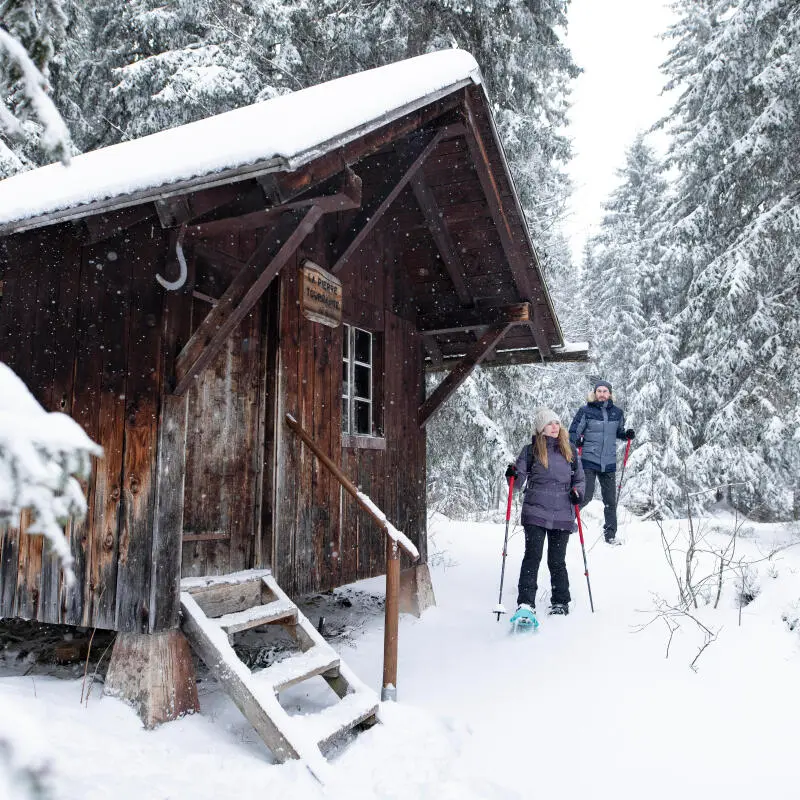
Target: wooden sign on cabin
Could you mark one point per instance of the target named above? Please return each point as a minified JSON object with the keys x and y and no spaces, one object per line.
{"x":320,"y":295}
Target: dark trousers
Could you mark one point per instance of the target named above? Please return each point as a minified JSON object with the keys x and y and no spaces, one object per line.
{"x":608,"y":490}
{"x":556,"y":563}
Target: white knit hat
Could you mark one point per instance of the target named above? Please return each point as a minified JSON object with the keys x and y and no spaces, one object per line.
{"x":543,"y":416}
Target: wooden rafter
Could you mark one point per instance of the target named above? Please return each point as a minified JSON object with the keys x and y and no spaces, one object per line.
{"x":468,"y":319}
{"x":347,"y":196}
{"x":461,"y":371}
{"x":411,"y":160}
{"x":239,"y":298}
{"x":480,"y":158}
{"x":506,"y":358}
{"x":536,"y":326}
{"x":100,"y":227}
{"x":441,"y":236}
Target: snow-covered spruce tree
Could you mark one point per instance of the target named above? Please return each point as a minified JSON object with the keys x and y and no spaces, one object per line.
{"x":733,"y":228}
{"x":31,"y":129}
{"x":658,"y":405}
{"x":40,"y":455}
{"x":169,"y":64}
{"x":619,"y":276}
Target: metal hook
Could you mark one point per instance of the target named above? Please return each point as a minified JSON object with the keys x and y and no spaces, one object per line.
{"x":173,"y":286}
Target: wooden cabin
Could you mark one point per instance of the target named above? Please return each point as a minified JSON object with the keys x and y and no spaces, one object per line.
{"x":181,"y":294}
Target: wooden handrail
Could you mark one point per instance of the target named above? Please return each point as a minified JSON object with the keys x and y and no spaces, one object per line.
{"x":395,"y":540}
{"x":367,"y":505}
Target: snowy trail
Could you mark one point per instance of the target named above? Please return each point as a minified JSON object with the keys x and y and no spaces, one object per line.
{"x":584,"y":708}
{"x":593,"y":706}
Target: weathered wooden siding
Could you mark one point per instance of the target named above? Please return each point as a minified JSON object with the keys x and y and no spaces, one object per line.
{"x":83,"y":327}
{"x":225,"y":439}
{"x":322,"y":540}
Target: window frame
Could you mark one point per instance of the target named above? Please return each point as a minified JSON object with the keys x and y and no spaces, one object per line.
{"x":374,"y":439}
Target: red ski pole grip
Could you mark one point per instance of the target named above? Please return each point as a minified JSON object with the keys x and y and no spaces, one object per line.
{"x":510,"y":495}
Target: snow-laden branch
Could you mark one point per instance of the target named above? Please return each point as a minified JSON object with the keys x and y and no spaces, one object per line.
{"x":40,"y":455}
{"x":55,"y":136}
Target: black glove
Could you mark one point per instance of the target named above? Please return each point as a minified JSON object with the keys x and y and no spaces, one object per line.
{"x":629,"y":434}
{"x":579,"y":441}
{"x":511,"y":472}
{"x":574,"y":496}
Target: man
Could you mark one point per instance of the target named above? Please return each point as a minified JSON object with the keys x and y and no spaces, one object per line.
{"x":595,"y":431}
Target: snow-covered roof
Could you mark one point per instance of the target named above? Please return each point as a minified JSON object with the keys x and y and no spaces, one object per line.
{"x":280,"y":134}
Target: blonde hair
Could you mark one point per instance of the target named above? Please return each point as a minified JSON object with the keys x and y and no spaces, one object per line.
{"x":540,"y":446}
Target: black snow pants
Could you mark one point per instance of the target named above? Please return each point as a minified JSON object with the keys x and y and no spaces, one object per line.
{"x":608,"y":490}
{"x":556,"y":563}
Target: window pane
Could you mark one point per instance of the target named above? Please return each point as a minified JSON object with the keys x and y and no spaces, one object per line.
{"x":363,"y":346}
{"x":345,"y":380}
{"x":346,"y":342}
{"x":362,"y":417}
{"x":362,"y":380}
{"x":345,"y":416}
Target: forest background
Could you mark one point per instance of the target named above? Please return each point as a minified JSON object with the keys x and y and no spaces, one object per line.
{"x":688,"y":293}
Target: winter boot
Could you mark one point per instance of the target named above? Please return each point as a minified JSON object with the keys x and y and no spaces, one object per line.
{"x":560,"y":609}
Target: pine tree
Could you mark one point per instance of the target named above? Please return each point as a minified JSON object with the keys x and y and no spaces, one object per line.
{"x":733,"y":226}
{"x":659,"y":404}
{"x":31,"y":129}
{"x":621,"y":283}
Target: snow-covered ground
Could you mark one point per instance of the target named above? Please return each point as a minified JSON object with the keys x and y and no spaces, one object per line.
{"x":587,"y":707}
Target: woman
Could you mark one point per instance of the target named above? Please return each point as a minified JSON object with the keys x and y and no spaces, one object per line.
{"x":554,"y":483}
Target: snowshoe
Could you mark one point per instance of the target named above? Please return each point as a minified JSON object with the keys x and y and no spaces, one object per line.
{"x":613,"y":541}
{"x":559,"y":609}
{"x":524,"y":619}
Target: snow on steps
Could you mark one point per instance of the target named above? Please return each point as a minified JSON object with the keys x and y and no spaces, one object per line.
{"x":258,"y":615}
{"x":237,"y":602}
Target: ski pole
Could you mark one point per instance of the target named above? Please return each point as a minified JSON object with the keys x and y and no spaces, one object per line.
{"x":583,"y":550}
{"x":499,"y":608}
{"x":622,"y":475}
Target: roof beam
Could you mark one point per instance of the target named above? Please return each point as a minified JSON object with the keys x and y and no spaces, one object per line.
{"x":461,"y":371}
{"x":441,"y":235}
{"x":507,"y":358}
{"x":480,"y":158}
{"x":467,"y":319}
{"x":100,"y":227}
{"x":237,"y":301}
{"x":347,"y":196}
{"x":410,"y":161}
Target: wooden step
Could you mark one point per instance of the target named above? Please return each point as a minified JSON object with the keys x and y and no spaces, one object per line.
{"x":299,"y":667}
{"x":277,"y":611}
{"x":213,"y":607}
{"x":332,"y":722}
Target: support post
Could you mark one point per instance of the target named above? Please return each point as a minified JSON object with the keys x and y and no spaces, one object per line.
{"x":416,"y":590}
{"x":391,"y":622}
{"x":155,"y":674}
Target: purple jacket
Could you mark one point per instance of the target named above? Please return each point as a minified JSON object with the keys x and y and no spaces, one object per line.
{"x":547,"y":502}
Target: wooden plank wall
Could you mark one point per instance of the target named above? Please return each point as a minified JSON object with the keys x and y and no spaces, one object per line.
{"x":322,"y":540}
{"x":83,"y":327}
{"x":224,"y":447}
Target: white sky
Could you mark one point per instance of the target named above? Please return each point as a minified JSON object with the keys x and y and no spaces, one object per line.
{"x":619,"y":94}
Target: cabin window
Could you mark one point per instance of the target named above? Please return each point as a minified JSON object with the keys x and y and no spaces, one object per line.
{"x":357,"y":382}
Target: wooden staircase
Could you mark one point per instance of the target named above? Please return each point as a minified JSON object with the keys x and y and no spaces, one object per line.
{"x":215,"y":607}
